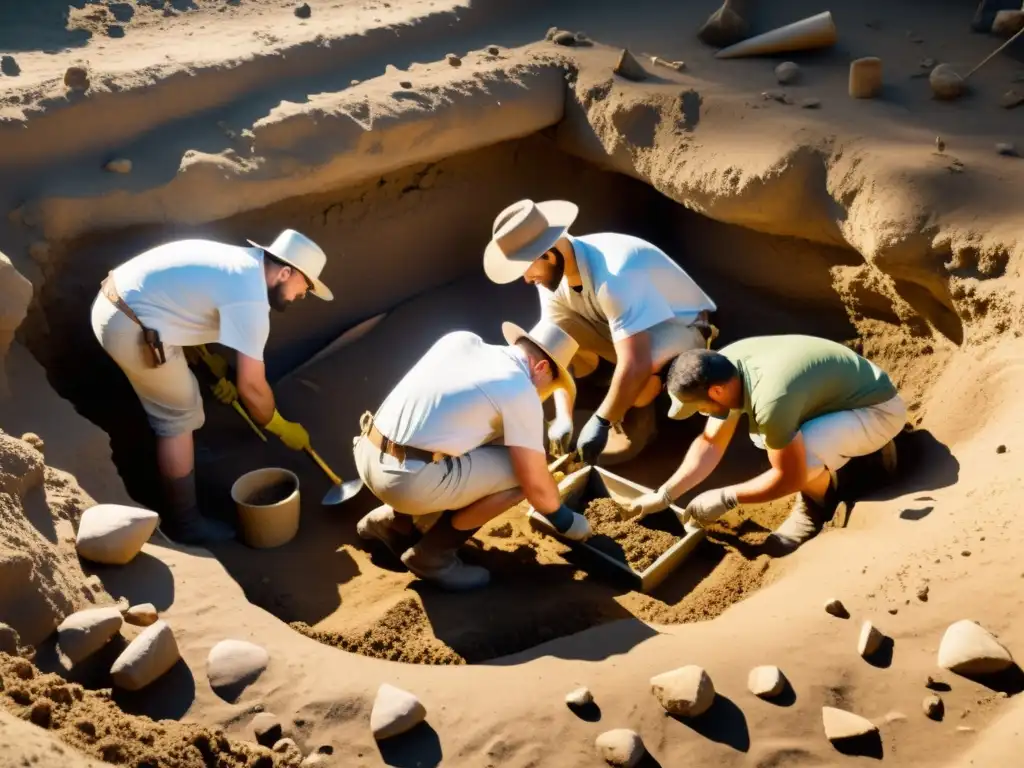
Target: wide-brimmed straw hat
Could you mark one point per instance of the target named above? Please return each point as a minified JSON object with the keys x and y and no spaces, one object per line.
{"x":559,"y":346}
{"x":522,"y":233}
{"x":298,"y":251}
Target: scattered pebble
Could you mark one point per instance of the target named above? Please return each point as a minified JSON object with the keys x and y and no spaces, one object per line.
{"x":83,"y":633}
{"x":1011,"y":99}
{"x":870,"y":639}
{"x":766,"y":681}
{"x":933,"y":707}
{"x":119,"y":165}
{"x":628,"y":67}
{"x":405,"y":83}
{"x":935,"y":684}
{"x":969,"y":649}
{"x":550,"y":35}
{"x":235,"y":662}
{"x":493,"y":50}
{"x":922,"y":593}
{"x":999,"y":448}
{"x":945,"y":82}
{"x":787,"y":72}
{"x":621,"y":747}
{"x":966,"y":553}
{"x":453,"y":60}
{"x":940,"y":145}
{"x":687,"y":691}
{"x":41,"y":713}
{"x":394,"y":712}
{"x":810,"y":103}
{"x":865,"y":81}
{"x":581,"y":697}
{"x":894,"y":611}
{"x":778,"y":96}
{"x":9,"y":66}
{"x":113,"y":534}
{"x":266,"y":727}
{"x":1005,"y":148}
{"x":303,"y":11}
{"x":564,"y":38}
{"x":147,"y":658}
{"x":837,"y":609}
{"x":77,"y":78}
{"x":34,"y":440}
{"x":353,"y":82}
{"x":841,"y":725}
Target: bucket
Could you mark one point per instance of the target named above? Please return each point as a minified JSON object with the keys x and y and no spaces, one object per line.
{"x":274,"y":519}
{"x":813,"y":32}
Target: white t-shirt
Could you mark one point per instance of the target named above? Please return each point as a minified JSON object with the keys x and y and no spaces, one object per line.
{"x":628,"y":285}
{"x":462,"y":394}
{"x":199,"y":292}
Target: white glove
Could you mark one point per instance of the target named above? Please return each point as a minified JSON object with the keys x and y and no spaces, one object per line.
{"x":559,"y":435}
{"x":710,"y":505}
{"x":648,"y":504}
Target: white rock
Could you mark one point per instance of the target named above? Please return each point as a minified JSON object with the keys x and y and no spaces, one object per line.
{"x":932,"y":706}
{"x":766,"y":681}
{"x":787,"y":72}
{"x":394,"y":712}
{"x":147,"y":657}
{"x":82,"y":634}
{"x":687,"y":691}
{"x":621,"y":747}
{"x":840,"y":724}
{"x":113,"y":534}
{"x":235,"y":662}
{"x":581,"y":697}
{"x":119,"y":165}
{"x":142,"y":615}
{"x":968,"y":649}
{"x":837,"y":609}
{"x":870,"y":639}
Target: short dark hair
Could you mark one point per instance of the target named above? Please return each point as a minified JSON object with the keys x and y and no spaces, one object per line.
{"x":697,"y":370}
{"x":534,"y":350}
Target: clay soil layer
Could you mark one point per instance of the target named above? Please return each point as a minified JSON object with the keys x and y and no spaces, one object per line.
{"x":629,"y":541}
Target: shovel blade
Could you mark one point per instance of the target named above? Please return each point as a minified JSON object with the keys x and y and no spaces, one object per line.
{"x":342,"y":493}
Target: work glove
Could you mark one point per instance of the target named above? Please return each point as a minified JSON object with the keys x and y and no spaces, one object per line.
{"x":648,"y":504}
{"x":709,"y":506}
{"x":225,"y":391}
{"x":593,"y":438}
{"x":216,"y":363}
{"x":292,"y":434}
{"x":559,"y":435}
{"x":571,"y":525}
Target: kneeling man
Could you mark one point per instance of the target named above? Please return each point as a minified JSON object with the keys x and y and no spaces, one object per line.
{"x":811,"y":403}
{"x":463,"y":434}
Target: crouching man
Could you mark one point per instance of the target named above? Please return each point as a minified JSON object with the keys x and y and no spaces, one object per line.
{"x":811,"y":403}
{"x":462,"y":434}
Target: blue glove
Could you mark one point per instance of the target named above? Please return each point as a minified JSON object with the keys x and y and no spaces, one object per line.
{"x":593,"y":438}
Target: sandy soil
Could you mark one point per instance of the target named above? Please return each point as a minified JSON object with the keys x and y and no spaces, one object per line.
{"x":847,"y":220}
{"x":637,"y":544}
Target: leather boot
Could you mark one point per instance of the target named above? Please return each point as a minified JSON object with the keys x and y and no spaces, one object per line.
{"x":182,"y":522}
{"x":435,"y":558}
{"x":805,"y":521}
{"x":639,"y":428}
{"x":392,"y":529}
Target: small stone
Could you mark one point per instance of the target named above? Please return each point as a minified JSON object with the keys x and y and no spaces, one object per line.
{"x":870,"y":639}
{"x":266,"y":727}
{"x":303,"y":11}
{"x":354,"y":82}
{"x":837,"y":609}
{"x":933,"y":707}
{"x":922,"y":593}
{"x":493,"y":50}
{"x":581,"y":697}
{"x":119,"y":165}
{"x":966,"y":553}
{"x":147,"y":658}
{"x":394,"y":712}
{"x":766,"y":681}
{"x":787,"y":72}
{"x":405,"y":84}
{"x":550,"y":34}
{"x":927,"y":63}
{"x":945,"y":82}
{"x":894,"y":611}
{"x":621,"y":747}
{"x":778,"y":96}
{"x":142,"y":615}
{"x":9,"y":66}
{"x":810,"y":103}
{"x":77,"y":78}
{"x":453,"y":60}
{"x":999,"y":448}
{"x":935,"y":685}
{"x":841,"y":725}
{"x":969,"y":649}
{"x":940,"y":145}
{"x":564,"y":38}
{"x":687,"y":691}
{"x":113,"y":534}
{"x":1005,"y":148}
{"x":234,"y":663}
{"x":865,"y":81}
{"x":9,"y":640}
{"x":1008,"y":23}
{"x":41,"y":713}
{"x":628,"y":67}
{"x":83,"y":633}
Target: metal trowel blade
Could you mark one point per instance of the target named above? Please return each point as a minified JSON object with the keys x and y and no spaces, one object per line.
{"x":342,"y":493}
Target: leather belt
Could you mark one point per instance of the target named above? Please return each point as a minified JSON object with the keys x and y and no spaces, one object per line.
{"x":150,"y":336}
{"x":399,"y":452}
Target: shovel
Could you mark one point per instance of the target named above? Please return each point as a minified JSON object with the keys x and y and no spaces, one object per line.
{"x":341,"y":492}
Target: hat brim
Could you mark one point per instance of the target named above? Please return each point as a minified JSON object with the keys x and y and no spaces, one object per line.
{"x":514,"y":333}
{"x":679,"y":410}
{"x":319,"y":290}
{"x":503,"y":267}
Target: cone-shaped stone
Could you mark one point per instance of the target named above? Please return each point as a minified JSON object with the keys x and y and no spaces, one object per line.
{"x":629,"y":68}
{"x":113,"y":534}
{"x":968,"y":649}
{"x":82,"y":634}
{"x":817,"y":31}
{"x":865,"y":77}
{"x":840,"y":724}
{"x":394,"y":712}
{"x":621,"y":747}
{"x":870,"y":639}
{"x":723,"y":27}
{"x":581,"y":697}
{"x":836,"y":608}
{"x":767,"y":681}
{"x":148,"y":657}
{"x":687,"y":691}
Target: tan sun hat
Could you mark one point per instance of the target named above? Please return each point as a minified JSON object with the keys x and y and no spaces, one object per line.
{"x":298,"y":251}
{"x":680,"y":409}
{"x":558,"y":345}
{"x":522,"y":233}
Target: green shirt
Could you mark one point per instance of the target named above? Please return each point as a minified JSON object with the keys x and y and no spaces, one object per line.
{"x":789,"y":380}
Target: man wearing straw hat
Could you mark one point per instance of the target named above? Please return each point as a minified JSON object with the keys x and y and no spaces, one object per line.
{"x":459,"y":440}
{"x":187,"y":293}
{"x":623,"y":300}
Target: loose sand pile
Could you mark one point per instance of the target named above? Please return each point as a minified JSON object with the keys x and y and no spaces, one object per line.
{"x":637,"y":544}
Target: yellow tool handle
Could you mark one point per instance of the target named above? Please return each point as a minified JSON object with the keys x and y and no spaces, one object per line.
{"x":327,"y":470}
{"x":241,"y":411}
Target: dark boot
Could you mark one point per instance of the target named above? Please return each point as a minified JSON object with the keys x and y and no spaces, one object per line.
{"x":435,"y":558}
{"x":805,"y":521}
{"x":392,"y":529}
{"x":182,"y":521}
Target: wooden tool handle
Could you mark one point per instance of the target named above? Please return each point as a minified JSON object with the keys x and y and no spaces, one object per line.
{"x":327,"y":470}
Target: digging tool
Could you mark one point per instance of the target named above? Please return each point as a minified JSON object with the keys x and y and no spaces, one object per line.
{"x":219,"y":369}
{"x":341,"y":492}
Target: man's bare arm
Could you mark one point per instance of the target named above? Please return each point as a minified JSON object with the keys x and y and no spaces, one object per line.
{"x":254,"y":390}
{"x":632,"y":371}
{"x":531,"y":470}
